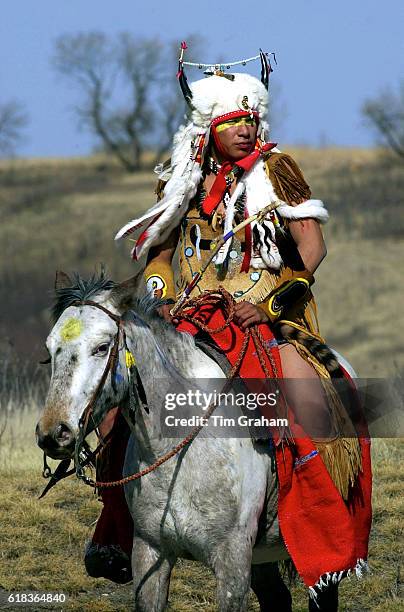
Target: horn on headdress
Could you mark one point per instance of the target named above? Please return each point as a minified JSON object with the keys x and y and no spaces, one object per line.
{"x":186,"y":91}
{"x":266,"y":68}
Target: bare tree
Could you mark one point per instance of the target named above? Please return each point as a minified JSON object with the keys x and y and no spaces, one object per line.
{"x":130,"y":98}
{"x":101,"y":68}
{"x":13,"y":119}
{"x":385,"y":113}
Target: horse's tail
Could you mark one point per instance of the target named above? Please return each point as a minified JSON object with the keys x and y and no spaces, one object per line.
{"x":318,"y":349}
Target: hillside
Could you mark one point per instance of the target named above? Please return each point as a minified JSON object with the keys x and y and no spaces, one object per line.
{"x":63,"y":214}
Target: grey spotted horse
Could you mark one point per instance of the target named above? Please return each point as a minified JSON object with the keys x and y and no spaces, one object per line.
{"x":216,"y":502}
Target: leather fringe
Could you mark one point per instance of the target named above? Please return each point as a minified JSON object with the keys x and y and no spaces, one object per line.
{"x":343,"y":460}
{"x":287,"y":178}
{"x":260,"y":292}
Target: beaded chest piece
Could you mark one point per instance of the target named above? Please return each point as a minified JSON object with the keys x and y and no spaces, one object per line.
{"x":198,"y":234}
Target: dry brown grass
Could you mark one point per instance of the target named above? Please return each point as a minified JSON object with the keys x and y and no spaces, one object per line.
{"x":41,"y":541}
{"x":62,"y":214}
{"x":359,"y":296}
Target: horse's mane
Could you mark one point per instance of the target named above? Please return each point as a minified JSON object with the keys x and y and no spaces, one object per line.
{"x":82,"y":289}
{"x":179,"y":344}
{"x":85,"y":289}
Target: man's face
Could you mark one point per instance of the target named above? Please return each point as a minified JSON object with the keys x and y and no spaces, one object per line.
{"x":236,"y":137}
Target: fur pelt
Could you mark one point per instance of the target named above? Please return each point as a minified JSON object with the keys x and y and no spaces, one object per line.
{"x":318,"y":349}
{"x":215,"y":96}
{"x":181,"y":187}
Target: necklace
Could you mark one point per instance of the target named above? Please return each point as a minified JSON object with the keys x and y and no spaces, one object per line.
{"x":238,"y":207}
{"x":212,"y":167}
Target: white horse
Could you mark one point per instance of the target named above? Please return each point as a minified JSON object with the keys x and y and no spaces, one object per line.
{"x":216,"y":501}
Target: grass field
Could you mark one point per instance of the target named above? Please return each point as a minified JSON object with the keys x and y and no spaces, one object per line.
{"x":41,"y":541}
{"x":62,"y":215}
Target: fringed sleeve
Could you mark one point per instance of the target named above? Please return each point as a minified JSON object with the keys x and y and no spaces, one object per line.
{"x":291,"y":187}
{"x":287,"y":178}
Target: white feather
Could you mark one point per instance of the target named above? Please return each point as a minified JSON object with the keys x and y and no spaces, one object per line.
{"x":213,"y":97}
{"x":228,"y":224}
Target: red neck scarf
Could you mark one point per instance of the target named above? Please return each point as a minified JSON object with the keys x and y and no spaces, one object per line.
{"x":219,"y":186}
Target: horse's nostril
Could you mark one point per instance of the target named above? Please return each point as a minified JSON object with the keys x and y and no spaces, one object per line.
{"x":57,"y":442}
{"x":63,"y":435}
{"x":45,"y":441}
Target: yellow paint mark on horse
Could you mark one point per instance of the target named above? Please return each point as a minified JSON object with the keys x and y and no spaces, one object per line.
{"x":71,"y":329}
{"x":130,"y":360}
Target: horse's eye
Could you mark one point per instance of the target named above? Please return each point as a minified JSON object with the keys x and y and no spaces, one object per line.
{"x":101,"y":349}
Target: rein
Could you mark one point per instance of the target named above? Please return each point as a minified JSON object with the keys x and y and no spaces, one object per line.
{"x":221,"y":296}
{"x":218,"y":298}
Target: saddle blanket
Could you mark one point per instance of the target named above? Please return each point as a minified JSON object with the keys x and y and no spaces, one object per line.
{"x":326,"y":537}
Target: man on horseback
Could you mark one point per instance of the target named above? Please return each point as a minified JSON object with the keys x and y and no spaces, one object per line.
{"x":222,"y":172}
{"x":231,"y":171}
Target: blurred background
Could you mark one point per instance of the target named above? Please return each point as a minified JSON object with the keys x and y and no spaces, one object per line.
{"x":88,"y":104}
{"x":89,"y":101}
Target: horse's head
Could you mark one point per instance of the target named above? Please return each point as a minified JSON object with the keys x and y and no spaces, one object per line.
{"x":80,"y":346}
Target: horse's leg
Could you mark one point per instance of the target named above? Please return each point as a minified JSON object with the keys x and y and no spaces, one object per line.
{"x":151,"y":577}
{"x":272,"y":593}
{"x":232,"y":567}
{"x":327,"y":600}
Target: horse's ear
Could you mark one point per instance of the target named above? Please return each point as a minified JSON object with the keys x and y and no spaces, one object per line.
{"x":62,"y":280}
{"x":124,"y":294}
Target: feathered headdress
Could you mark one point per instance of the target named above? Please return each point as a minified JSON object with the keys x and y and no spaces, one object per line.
{"x":217,"y":97}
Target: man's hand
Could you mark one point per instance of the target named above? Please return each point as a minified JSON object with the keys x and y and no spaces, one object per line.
{"x":247,"y":314}
{"x":164,"y":312}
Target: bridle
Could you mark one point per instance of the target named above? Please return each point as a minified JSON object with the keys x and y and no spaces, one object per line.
{"x":110,"y":367}
{"x":84,"y":457}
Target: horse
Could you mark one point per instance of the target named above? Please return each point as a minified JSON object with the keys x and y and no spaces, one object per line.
{"x":216,"y":503}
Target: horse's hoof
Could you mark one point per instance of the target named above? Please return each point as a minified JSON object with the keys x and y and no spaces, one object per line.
{"x":109,"y":562}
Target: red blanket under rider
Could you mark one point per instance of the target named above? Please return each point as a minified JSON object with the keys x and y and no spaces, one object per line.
{"x":324,"y":535}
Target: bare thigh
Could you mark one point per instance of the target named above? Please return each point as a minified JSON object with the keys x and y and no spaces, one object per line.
{"x":304,"y":393}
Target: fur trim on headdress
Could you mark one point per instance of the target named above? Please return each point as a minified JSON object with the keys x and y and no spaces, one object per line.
{"x":212,"y":97}
{"x":215,"y":96}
